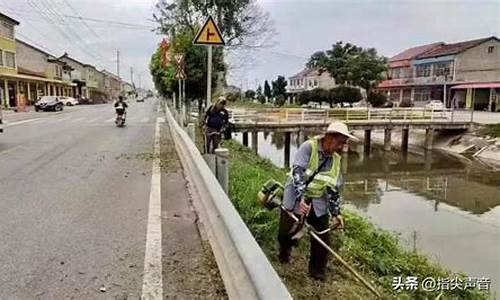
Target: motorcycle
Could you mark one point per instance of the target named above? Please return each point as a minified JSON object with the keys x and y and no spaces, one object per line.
{"x":120,"y":119}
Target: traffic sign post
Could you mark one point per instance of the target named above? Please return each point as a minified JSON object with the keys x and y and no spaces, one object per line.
{"x":209,"y":35}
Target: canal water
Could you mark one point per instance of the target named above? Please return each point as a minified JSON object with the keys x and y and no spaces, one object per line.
{"x":440,"y":205}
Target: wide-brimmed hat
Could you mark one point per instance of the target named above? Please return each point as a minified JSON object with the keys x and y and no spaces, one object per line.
{"x":340,"y":127}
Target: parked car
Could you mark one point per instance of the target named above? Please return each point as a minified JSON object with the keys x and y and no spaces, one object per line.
{"x":140,"y":99}
{"x":46,"y":103}
{"x":434,"y":105}
{"x":68,"y":101}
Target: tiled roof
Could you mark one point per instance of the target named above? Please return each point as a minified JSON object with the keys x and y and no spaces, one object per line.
{"x":411,"y":53}
{"x":307,"y":72}
{"x":455,"y":48}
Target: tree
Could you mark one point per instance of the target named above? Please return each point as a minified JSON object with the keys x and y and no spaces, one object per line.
{"x":250,"y":94}
{"x":319,"y":95}
{"x":351,"y":65}
{"x":280,"y":100}
{"x":347,"y":94}
{"x":195,"y":67}
{"x":260,"y":97}
{"x":267,"y":90}
{"x":377,"y":99}
{"x":242,"y":22}
{"x":279,"y":87}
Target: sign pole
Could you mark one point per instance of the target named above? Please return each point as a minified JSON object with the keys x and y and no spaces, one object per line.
{"x":209,"y":77}
{"x":180,"y":94}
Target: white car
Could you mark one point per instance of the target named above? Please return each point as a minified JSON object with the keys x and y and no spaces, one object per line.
{"x":434,"y":105}
{"x":68,"y":101}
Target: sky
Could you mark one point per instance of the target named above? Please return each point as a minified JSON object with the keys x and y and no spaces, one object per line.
{"x":91,"y":42}
{"x":302,"y":27}
{"x":306,"y":26}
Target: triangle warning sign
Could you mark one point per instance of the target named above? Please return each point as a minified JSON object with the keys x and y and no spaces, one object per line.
{"x":209,"y":34}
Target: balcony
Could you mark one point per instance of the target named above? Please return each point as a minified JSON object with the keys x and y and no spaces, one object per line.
{"x":416,"y":81}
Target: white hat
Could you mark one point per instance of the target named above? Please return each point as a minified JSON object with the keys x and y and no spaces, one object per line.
{"x":340,"y":127}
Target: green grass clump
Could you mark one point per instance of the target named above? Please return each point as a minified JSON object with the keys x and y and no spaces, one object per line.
{"x":375,"y":253}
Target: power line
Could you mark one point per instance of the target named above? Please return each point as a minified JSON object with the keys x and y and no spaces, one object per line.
{"x":124,"y":25}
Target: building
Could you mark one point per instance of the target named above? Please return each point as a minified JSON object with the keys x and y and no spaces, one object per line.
{"x":41,"y":73}
{"x":78,"y":76}
{"x":306,"y":80}
{"x":8,"y":65}
{"x":112,"y":85}
{"x":462,"y":75}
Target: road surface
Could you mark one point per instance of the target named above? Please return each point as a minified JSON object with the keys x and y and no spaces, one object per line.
{"x":74,"y":202}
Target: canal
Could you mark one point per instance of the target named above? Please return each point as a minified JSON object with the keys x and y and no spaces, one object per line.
{"x":440,"y":205}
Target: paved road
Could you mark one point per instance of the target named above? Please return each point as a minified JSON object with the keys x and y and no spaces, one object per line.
{"x":74,"y":198}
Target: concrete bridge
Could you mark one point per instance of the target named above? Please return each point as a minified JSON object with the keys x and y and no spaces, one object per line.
{"x":303,"y":120}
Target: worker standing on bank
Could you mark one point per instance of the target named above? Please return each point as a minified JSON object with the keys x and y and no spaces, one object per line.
{"x":214,"y":122}
{"x":319,"y":201}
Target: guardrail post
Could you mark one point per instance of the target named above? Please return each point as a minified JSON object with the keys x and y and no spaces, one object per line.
{"x":210,"y":160}
{"x":369,"y":114}
{"x":432,"y":114}
{"x":191,"y":131}
{"x":347,"y":115}
{"x":286,"y":114}
{"x":302,"y":117}
{"x":222,"y":168}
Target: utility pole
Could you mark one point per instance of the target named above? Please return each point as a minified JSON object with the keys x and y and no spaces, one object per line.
{"x":118,"y":62}
{"x":132,"y":75}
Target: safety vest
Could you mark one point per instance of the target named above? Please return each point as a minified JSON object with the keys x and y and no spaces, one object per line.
{"x":323,"y":179}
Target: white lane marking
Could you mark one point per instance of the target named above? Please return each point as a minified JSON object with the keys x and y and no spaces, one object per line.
{"x":152,"y":281}
{"x":21,"y":122}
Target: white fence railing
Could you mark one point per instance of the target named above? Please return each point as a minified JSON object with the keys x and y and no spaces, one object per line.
{"x":350,"y":115}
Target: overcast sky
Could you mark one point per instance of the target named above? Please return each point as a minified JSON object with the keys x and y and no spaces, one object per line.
{"x":91,"y":42}
{"x":303,"y":26}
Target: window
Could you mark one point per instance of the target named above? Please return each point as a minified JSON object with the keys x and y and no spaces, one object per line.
{"x":396,"y":73}
{"x":315,"y":82}
{"x":422,"y":95}
{"x":7,"y":30}
{"x":10,"y":59}
{"x":1,"y":57}
{"x":424,"y":70}
{"x":490,"y":49}
{"x":443,"y":68}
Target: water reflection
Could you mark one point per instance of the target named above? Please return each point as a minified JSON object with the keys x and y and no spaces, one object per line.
{"x":439,"y":204}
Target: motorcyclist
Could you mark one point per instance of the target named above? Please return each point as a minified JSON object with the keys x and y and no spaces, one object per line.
{"x":120,"y":108}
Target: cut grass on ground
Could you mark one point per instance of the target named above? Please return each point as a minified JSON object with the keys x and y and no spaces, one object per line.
{"x":375,"y":253}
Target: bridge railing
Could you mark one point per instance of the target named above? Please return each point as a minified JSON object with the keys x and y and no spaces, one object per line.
{"x":350,"y":115}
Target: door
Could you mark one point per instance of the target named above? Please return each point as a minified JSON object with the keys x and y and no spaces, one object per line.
{"x":12,"y":88}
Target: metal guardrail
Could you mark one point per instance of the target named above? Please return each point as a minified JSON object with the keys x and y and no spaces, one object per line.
{"x":350,"y":115}
{"x":244,"y":268}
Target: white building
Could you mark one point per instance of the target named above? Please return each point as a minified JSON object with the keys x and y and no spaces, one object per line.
{"x":306,"y":80}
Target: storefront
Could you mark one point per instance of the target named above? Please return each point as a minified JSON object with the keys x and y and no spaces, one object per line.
{"x":480,"y":96}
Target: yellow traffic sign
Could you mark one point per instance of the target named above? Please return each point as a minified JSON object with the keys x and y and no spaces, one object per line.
{"x":209,"y":34}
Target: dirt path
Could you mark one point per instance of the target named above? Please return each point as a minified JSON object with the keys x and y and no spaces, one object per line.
{"x":189,"y":268}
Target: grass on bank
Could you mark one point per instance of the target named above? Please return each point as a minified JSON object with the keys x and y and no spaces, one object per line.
{"x":492,"y":130}
{"x":373,"y":252}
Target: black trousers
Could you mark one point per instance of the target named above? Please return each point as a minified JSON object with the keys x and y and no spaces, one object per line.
{"x":318,"y":258}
